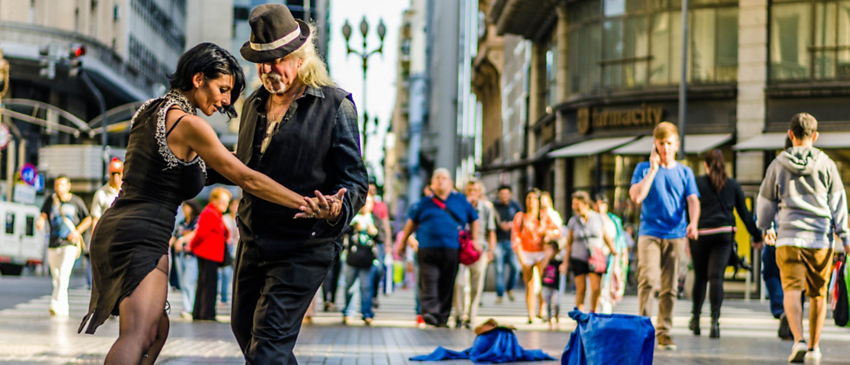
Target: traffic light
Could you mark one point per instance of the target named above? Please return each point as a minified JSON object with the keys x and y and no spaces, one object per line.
{"x":47,"y":61}
{"x":74,"y":62}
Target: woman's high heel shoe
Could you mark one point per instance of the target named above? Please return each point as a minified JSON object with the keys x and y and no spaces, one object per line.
{"x":694,"y":326}
{"x":715,"y":327}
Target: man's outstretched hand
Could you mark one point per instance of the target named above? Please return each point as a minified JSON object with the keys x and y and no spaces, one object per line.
{"x":322,"y":207}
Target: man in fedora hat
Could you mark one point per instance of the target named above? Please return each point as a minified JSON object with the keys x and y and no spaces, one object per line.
{"x":300,"y":130}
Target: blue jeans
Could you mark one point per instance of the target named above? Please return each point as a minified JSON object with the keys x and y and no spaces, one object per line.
{"x":380,"y":271}
{"x":772,"y":282}
{"x":365,"y":276}
{"x":188,"y":271}
{"x":504,"y":255}
{"x":225,"y":279}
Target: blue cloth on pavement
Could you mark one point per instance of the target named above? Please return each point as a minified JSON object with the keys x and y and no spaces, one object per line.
{"x":610,"y":339}
{"x":497,"y":346}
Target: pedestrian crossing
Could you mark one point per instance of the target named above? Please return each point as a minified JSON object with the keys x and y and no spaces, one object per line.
{"x":739,"y":318}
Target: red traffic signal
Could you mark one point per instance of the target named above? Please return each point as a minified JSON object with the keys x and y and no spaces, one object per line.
{"x":77,"y":50}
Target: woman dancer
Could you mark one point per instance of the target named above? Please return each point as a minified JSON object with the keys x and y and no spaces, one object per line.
{"x":167,"y":155}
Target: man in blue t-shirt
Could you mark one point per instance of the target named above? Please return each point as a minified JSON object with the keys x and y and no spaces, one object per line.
{"x":668,"y":194}
{"x":437,"y":219}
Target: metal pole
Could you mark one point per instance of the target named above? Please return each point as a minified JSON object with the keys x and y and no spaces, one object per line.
{"x":105,"y":121}
{"x":683,"y":82}
{"x":365,"y":114}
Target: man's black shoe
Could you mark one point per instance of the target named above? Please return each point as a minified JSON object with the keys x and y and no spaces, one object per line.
{"x":430,"y":319}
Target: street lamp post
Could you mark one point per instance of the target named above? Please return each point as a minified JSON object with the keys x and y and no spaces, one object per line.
{"x":364,"y":55}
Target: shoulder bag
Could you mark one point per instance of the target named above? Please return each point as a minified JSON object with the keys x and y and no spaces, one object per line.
{"x":361,"y":251}
{"x":467,"y":253}
{"x":597,"y":260}
{"x":78,"y":243}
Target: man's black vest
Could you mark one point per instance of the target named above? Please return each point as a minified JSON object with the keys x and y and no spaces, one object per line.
{"x":297,"y":157}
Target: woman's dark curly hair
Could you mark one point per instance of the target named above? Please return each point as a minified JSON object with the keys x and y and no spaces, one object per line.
{"x":212,"y":61}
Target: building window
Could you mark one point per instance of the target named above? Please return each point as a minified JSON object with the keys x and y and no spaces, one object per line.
{"x":552,"y":70}
{"x":630,"y":44}
{"x":810,"y":40}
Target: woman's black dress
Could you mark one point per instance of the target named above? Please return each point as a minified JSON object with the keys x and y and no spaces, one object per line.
{"x":133,"y":235}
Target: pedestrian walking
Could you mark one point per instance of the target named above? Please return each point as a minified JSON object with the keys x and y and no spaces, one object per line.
{"x":225,"y":272}
{"x":362,"y":262}
{"x":551,"y":283}
{"x":772,"y":279}
{"x":614,"y":279}
{"x":503,"y":254}
{"x":813,"y":211}
{"x":210,"y":248}
{"x":550,"y":218}
{"x":470,"y":278}
{"x":711,"y":252}
{"x":409,"y":250}
{"x":668,"y":195}
{"x":166,"y":164}
{"x":528,"y":233}
{"x":185,"y":261}
{"x":437,"y":221}
{"x":586,"y":237}
{"x":381,"y":211}
{"x":102,"y":200}
{"x":68,"y":218}
{"x":301,"y":130}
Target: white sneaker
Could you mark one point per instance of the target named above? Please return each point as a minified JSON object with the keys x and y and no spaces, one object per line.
{"x":813,"y":355}
{"x":798,"y":352}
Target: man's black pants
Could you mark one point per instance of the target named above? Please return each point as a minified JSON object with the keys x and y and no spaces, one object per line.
{"x":271,"y":296}
{"x":437,"y":271}
{"x":204,"y":308}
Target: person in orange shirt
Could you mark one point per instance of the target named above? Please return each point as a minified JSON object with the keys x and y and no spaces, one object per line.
{"x":527,"y":241}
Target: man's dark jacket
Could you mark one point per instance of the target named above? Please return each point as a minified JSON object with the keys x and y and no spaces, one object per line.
{"x":316,"y":147}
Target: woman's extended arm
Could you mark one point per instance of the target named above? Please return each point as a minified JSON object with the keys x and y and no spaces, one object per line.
{"x":201,"y":138}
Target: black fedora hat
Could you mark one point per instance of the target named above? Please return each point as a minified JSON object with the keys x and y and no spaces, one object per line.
{"x":274,"y":34}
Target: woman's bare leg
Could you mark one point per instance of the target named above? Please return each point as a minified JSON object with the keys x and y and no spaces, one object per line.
{"x":581,"y":288}
{"x":528,"y":278}
{"x":542,"y":307}
{"x":143,"y":327}
{"x":595,"y":291}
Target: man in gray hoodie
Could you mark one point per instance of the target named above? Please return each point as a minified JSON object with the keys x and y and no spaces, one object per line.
{"x":803,"y":190}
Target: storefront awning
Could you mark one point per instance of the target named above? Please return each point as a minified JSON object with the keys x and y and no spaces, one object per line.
{"x":590,"y":147}
{"x":776,"y":141}
{"x":694,"y":144}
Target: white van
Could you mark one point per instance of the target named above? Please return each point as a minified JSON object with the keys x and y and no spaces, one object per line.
{"x":20,"y":242}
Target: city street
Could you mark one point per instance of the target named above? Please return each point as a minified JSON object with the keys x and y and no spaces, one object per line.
{"x":29,"y":336}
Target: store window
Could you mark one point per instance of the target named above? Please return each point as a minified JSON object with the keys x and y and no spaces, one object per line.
{"x":628,"y":44}
{"x":809,"y":40}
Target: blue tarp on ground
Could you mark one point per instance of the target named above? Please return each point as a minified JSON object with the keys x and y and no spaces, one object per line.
{"x":497,"y":346}
{"x":601,"y":339}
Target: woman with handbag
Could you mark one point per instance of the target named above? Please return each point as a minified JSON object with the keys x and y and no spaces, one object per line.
{"x":715,"y":247}
{"x":209,"y":246}
{"x":585,"y":248}
{"x":360,"y":261}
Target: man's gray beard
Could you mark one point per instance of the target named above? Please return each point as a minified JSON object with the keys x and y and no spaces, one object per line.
{"x":267,"y":83}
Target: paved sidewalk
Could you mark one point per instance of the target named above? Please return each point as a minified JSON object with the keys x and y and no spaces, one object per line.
{"x":29,"y":336}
